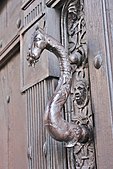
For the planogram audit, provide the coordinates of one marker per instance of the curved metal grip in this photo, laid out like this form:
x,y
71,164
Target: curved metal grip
x,y
58,128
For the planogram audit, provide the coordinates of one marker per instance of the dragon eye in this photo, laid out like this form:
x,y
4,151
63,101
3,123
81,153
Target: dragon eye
x,y
36,38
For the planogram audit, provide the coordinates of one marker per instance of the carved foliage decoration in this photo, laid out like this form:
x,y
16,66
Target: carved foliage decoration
x,y
75,31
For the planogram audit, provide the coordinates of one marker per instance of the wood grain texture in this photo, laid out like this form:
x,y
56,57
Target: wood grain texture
x,y
98,43
3,120
12,118
10,12
44,151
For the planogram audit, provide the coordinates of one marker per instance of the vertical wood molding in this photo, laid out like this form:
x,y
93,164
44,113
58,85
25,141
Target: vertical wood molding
x,y
43,151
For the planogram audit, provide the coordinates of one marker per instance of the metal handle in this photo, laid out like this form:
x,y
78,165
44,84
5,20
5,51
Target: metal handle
x,y
58,128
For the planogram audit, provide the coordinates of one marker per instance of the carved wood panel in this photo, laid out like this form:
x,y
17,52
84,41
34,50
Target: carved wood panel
x,y
29,76
43,151
73,13
34,14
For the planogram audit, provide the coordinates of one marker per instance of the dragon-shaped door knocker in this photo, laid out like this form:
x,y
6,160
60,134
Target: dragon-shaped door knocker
x,y
59,129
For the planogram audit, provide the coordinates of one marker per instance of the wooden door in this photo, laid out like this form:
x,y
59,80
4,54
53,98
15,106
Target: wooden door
x,y
85,29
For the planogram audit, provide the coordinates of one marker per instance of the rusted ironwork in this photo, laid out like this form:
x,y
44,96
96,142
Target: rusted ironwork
x,y
58,128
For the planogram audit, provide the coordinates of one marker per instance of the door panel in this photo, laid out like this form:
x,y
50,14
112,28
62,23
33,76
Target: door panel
x,y
16,117
13,117
10,22
100,78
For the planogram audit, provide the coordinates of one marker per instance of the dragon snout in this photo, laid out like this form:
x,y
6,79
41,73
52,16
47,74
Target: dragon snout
x,y
33,56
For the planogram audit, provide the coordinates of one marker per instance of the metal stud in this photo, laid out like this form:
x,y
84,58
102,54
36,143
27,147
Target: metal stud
x,y
1,43
18,23
98,61
8,99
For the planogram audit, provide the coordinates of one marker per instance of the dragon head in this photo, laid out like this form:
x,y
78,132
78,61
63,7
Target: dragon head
x,y
37,46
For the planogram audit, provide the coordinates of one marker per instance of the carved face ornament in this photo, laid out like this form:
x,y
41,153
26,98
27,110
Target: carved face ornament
x,y
81,95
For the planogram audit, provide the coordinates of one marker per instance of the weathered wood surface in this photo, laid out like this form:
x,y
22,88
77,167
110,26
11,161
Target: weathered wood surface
x,y
12,118
10,22
99,43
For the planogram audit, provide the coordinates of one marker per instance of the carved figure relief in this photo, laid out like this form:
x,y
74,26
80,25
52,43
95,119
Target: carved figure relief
x,y
81,94
75,30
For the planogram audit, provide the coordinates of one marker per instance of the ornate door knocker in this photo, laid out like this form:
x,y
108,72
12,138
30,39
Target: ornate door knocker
x,y
59,129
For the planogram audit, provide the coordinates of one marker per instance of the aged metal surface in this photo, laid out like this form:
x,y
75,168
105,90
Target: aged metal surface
x,y
58,128
98,61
